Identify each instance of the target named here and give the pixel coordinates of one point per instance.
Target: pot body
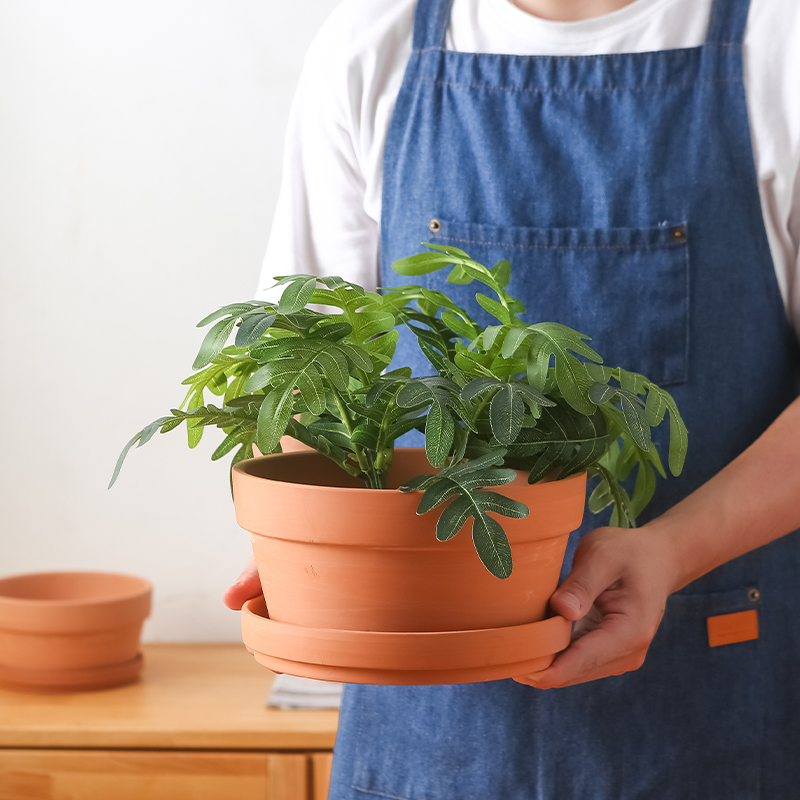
(71, 629)
(331, 554)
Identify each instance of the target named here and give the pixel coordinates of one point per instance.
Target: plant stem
(363, 460)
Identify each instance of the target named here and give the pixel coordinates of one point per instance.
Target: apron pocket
(628, 288)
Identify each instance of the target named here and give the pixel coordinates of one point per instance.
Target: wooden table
(195, 727)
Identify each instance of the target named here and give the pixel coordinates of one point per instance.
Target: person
(638, 164)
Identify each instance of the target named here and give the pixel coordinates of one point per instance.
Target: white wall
(140, 150)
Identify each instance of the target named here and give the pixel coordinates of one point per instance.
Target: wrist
(675, 550)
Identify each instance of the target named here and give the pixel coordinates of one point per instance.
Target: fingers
(593, 571)
(247, 586)
(613, 648)
(616, 594)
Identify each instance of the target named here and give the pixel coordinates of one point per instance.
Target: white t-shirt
(327, 221)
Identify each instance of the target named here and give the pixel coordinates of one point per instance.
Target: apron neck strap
(728, 21)
(431, 18)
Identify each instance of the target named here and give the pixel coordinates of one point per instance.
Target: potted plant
(358, 585)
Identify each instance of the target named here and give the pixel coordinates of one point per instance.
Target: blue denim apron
(622, 188)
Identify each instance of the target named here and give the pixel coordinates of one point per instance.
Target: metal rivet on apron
(435, 225)
(679, 233)
(753, 595)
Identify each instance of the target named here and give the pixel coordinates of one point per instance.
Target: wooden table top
(190, 696)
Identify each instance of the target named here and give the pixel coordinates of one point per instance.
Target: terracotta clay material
(429, 657)
(69, 631)
(334, 555)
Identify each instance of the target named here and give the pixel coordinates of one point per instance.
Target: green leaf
(678, 437)
(441, 491)
(213, 342)
(333, 430)
(600, 498)
(228, 443)
(548, 461)
(479, 386)
(635, 419)
(357, 356)
(418, 483)
(332, 330)
(277, 371)
(501, 272)
(405, 425)
(421, 264)
(459, 276)
(655, 406)
(478, 480)
(235, 310)
(273, 417)
(453, 518)
(621, 516)
(599, 393)
(571, 377)
(494, 308)
(310, 385)
(243, 453)
(506, 412)
(515, 338)
(490, 459)
(492, 545)
(142, 437)
(297, 295)
(334, 366)
(253, 328)
(218, 384)
(643, 489)
(193, 430)
(490, 335)
(599, 373)
(381, 348)
(366, 435)
(500, 504)
(439, 433)
(381, 391)
(538, 363)
(532, 395)
(413, 394)
(458, 325)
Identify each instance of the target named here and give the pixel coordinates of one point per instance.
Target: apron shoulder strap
(728, 21)
(431, 18)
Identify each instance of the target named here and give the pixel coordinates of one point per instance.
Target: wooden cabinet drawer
(167, 775)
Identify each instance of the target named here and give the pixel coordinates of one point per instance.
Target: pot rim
(245, 468)
(137, 587)
(321, 513)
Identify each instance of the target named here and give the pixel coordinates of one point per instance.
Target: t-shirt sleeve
(320, 225)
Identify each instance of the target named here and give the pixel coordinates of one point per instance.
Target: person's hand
(616, 594)
(247, 585)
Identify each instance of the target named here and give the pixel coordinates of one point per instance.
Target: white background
(140, 157)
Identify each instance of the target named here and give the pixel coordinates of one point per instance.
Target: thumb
(589, 578)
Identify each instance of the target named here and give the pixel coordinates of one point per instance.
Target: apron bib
(622, 189)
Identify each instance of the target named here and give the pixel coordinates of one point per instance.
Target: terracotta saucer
(417, 658)
(71, 680)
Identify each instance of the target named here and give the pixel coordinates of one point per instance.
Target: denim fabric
(622, 188)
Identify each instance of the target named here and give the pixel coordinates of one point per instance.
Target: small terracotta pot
(68, 631)
(336, 556)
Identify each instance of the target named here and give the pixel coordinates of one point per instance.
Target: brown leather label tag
(732, 628)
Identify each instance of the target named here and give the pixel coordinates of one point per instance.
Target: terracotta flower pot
(70, 631)
(359, 589)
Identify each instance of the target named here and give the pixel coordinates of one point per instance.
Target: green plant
(509, 396)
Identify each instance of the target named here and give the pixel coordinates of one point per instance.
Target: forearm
(751, 502)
